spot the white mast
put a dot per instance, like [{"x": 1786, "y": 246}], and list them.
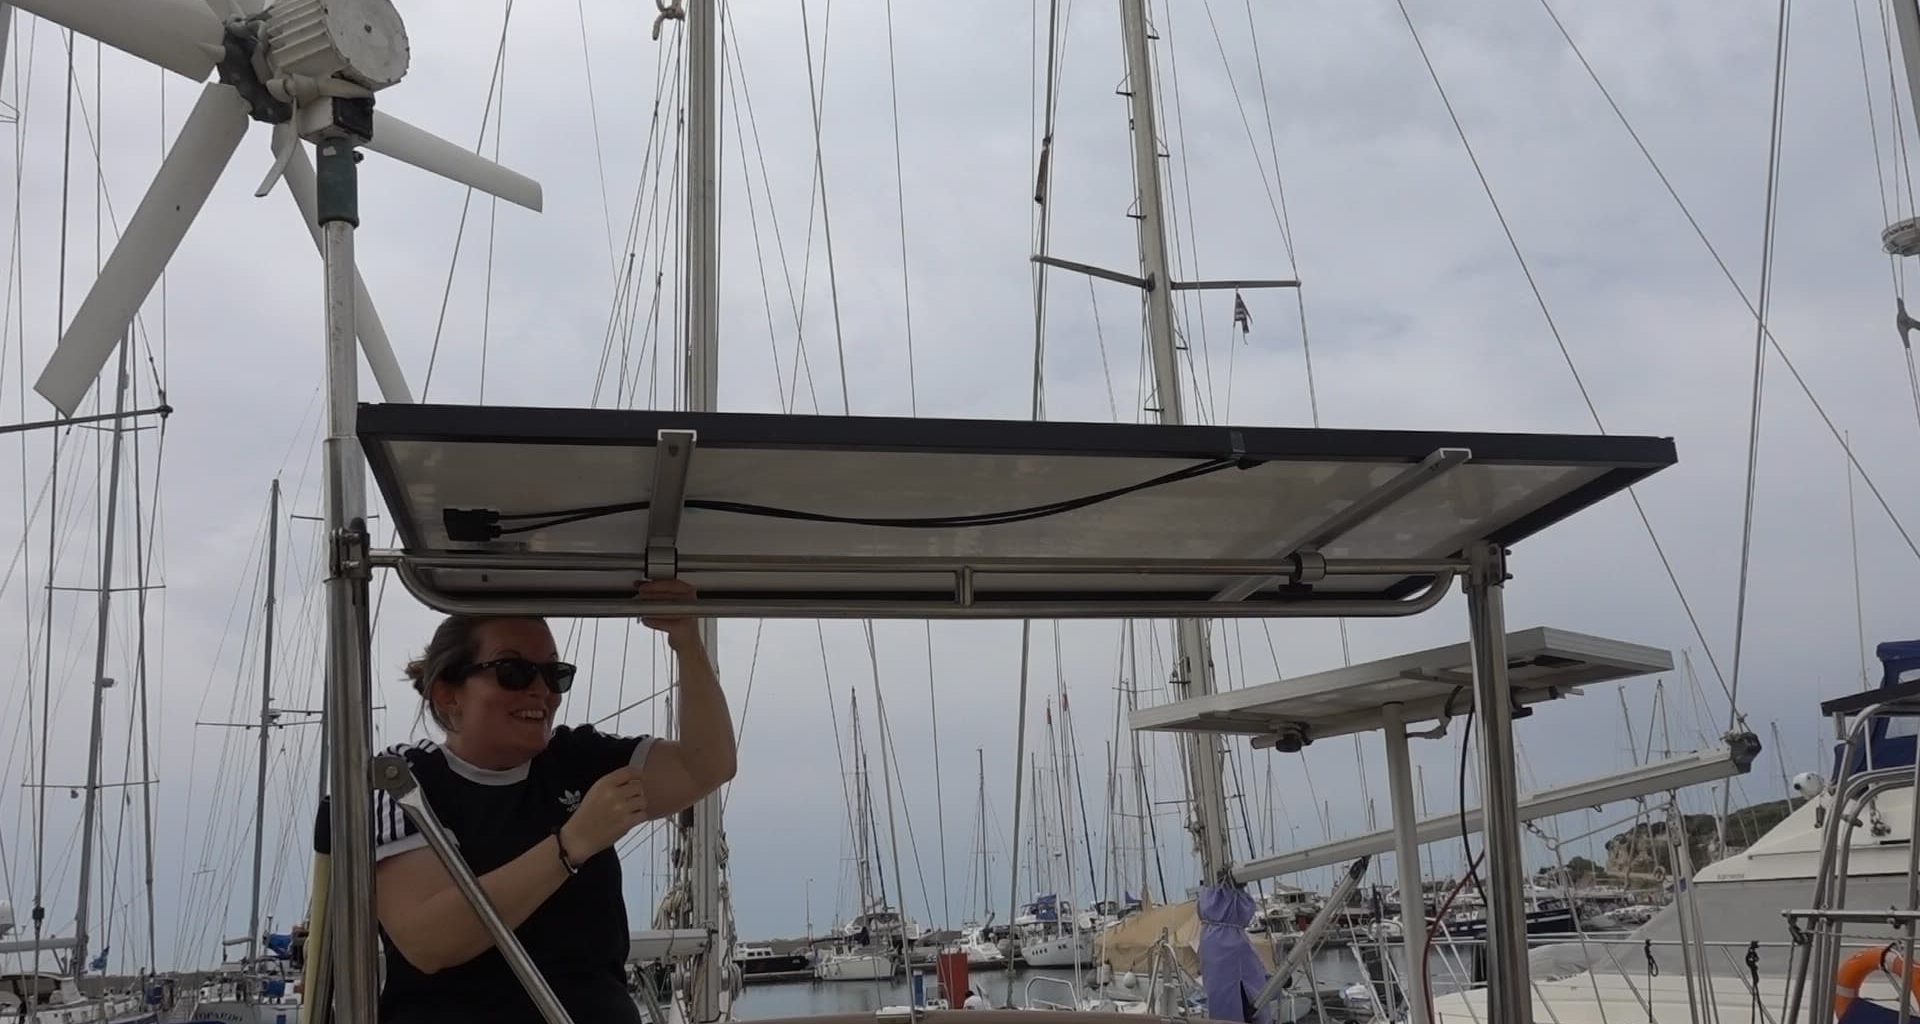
[
  {"x": 863, "y": 857},
  {"x": 1140, "y": 770},
  {"x": 266, "y": 717},
  {"x": 893, "y": 831},
  {"x": 1193, "y": 662},
  {"x": 140, "y": 681},
  {"x": 986, "y": 894},
  {"x": 89, "y": 810},
  {"x": 704, "y": 837}
]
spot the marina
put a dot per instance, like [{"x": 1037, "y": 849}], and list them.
[{"x": 994, "y": 601}]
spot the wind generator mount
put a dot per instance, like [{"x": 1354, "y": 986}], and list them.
[{"x": 314, "y": 65}]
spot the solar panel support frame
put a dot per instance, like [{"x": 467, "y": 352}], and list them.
[
  {"x": 1336, "y": 526},
  {"x": 1711, "y": 764},
  {"x": 1509, "y": 995},
  {"x": 667, "y": 502},
  {"x": 960, "y": 602}
]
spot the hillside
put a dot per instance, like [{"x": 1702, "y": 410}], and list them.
[{"x": 1644, "y": 849}]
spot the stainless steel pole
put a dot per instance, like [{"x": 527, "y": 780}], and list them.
[
  {"x": 1406, "y": 855},
  {"x": 1509, "y": 996},
  {"x": 352, "y": 936}
]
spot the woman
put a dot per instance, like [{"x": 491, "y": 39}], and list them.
[{"x": 536, "y": 811}]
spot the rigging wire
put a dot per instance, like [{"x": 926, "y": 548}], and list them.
[
  {"x": 15, "y": 319},
  {"x": 593, "y": 117},
  {"x": 816, "y": 99},
  {"x": 1040, "y": 157},
  {"x": 900, "y": 196},
  {"x": 1773, "y": 341},
  {"x": 833, "y": 717},
  {"x": 1186, "y": 258},
  {"x": 1553, "y": 328},
  {"x": 46, "y": 699},
  {"x": 466, "y": 205},
  {"x": 1903, "y": 168},
  {"x": 913, "y": 400},
  {"x": 1042, "y": 217},
  {"x": 795, "y": 301},
  {"x": 1769, "y": 221},
  {"x": 759, "y": 250},
  {"x": 668, "y": 83},
  {"x": 1280, "y": 190},
  {"x": 890, "y": 771},
  {"x": 493, "y": 217},
  {"x": 1873, "y": 134}
]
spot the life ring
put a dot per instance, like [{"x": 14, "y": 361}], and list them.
[{"x": 1858, "y": 967}]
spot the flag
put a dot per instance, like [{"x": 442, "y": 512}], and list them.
[{"x": 1242, "y": 317}]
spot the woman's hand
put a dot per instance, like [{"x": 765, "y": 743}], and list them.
[
  {"x": 611, "y": 809},
  {"x": 679, "y": 628}
]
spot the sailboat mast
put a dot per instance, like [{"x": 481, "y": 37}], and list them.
[
  {"x": 886, "y": 778},
  {"x": 862, "y": 860},
  {"x": 1193, "y": 657},
  {"x": 140, "y": 682},
  {"x": 986, "y": 894},
  {"x": 1145, "y": 822},
  {"x": 1070, "y": 743},
  {"x": 707, "y": 980},
  {"x": 266, "y": 717},
  {"x": 1036, "y": 875},
  {"x": 90, "y": 809},
  {"x": 1062, "y": 796}
]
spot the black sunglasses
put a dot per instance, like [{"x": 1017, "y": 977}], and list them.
[{"x": 519, "y": 673}]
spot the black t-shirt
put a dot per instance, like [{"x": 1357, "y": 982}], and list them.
[{"x": 578, "y": 937}]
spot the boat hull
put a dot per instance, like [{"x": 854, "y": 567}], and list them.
[
  {"x": 1058, "y": 950},
  {"x": 855, "y": 967},
  {"x": 779, "y": 967}
]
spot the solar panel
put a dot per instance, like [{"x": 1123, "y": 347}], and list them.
[
  {"x": 562, "y": 511},
  {"x": 1542, "y": 664}
]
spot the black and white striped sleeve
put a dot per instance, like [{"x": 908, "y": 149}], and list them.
[{"x": 393, "y": 831}]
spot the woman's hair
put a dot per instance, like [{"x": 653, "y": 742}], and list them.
[{"x": 454, "y": 645}]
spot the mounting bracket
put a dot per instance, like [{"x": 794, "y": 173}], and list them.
[{"x": 672, "y": 458}]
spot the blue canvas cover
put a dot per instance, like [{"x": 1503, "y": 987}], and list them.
[{"x": 1890, "y": 742}]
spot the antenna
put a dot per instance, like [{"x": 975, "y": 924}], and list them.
[{"x": 302, "y": 66}]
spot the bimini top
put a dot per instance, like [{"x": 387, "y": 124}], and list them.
[{"x": 563, "y": 511}]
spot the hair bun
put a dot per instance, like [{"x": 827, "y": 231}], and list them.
[{"x": 417, "y": 674}]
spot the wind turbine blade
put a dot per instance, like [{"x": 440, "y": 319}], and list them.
[
  {"x": 201, "y": 151},
  {"x": 299, "y": 179},
  {"x": 427, "y": 151},
  {"x": 183, "y": 36}
]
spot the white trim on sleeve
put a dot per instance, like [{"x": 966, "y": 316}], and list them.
[
  {"x": 404, "y": 844},
  {"x": 641, "y": 750}
]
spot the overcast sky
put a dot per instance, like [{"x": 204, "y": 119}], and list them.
[{"x": 1416, "y": 313}]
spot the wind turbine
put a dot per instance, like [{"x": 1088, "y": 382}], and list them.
[{"x": 299, "y": 65}]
